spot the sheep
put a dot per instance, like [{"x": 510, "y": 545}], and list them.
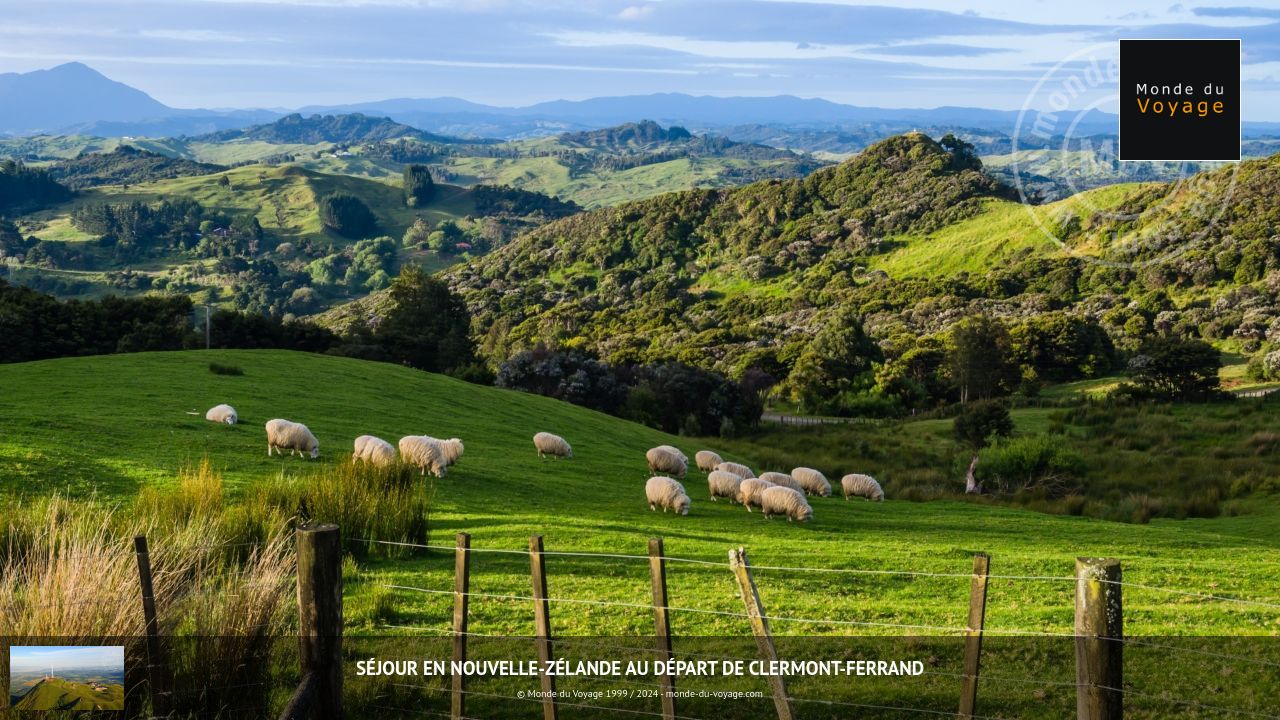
[
  {"x": 295, "y": 437},
  {"x": 667, "y": 459},
  {"x": 452, "y": 450},
  {"x": 813, "y": 482},
  {"x": 863, "y": 486},
  {"x": 666, "y": 493},
  {"x": 552, "y": 445},
  {"x": 785, "y": 501},
  {"x": 749, "y": 491},
  {"x": 723, "y": 484},
  {"x": 783, "y": 479},
  {"x": 676, "y": 451},
  {"x": 707, "y": 460},
  {"x": 738, "y": 469},
  {"x": 222, "y": 414},
  {"x": 424, "y": 453},
  {"x": 373, "y": 450}
]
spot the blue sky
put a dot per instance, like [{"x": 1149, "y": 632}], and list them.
[
  {"x": 909, "y": 53},
  {"x": 28, "y": 658}
]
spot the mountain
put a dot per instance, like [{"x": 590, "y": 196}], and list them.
[
  {"x": 127, "y": 165},
  {"x": 911, "y": 237},
  {"x": 348, "y": 128},
  {"x": 69, "y": 94}
]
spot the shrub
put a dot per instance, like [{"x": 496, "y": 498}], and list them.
[
  {"x": 1033, "y": 463},
  {"x": 220, "y": 369},
  {"x": 347, "y": 215}
]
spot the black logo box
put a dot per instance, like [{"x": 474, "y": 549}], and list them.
[{"x": 1180, "y": 65}]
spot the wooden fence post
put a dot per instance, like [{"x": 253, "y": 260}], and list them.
[
  {"x": 320, "y": 616},
  {"x": 542, "y": 628},
  {"x": 760, "y": 627},
  {"x": 1099, "y": 640},
  {"x": 662, "y": 625},
  {"x": 461, "y": 588},
  {"x": 973, "y": 635},
  {"x": 155, "y": 663}
]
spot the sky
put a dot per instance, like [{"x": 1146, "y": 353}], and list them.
[
  {"x": 900, "y": 53},
  {"x": 28, "y": 658}
]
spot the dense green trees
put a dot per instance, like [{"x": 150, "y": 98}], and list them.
[
  {"x": 347, "y": 215},
  {"x": 832, "y": 364},
  {"x": 427, "y": 326},
  {"x": 418, "y": 186},
  {"x": 24, "y": 189},
  {"x": 975, "y": 426},
  {"x": 979, "y": 360},
  {"x": 1172, "y": 368}
]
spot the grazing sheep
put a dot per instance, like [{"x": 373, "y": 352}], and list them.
[
  {"x": 552, "y": 445},
  {"x": 222, "y": 414},
  {"x": 668, "y": 494},
  {"x": 783, "y": 479},
  {"x": 666, "y": 459},
  {"x": 749, "y": 492},
  {"x": 863, "y": 486},
  {"x": 707, "y": 460},
  {"x": 723, "y": 484},
  {"x": 424, "y": 453},
  {"x": 373, "y": 450},
  {"x": 452, "y": 450},
  {"x": 813, "y": 482},
  {"x": 295, "y": 437},
  {"x": 738, "y": 469},
  {"x": 677, "y": 451},
  {"x": 785, "y": 501}
]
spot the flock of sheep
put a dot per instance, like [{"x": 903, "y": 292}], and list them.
[{"x": 775, "y": 493}]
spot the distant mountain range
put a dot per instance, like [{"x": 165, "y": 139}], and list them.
[{"x": 76, "y": 99}]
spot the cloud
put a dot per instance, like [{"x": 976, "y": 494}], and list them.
[
  {"x": 635, "y": 12},
  {"x": 1238, "y": 11},
  {"x": 937, "y": 50}
]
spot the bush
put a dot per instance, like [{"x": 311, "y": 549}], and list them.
[
  {"x": 220, "y": 369},
  {"x": 1035, "y": 463},
  {"x": 347, "y": 215}
]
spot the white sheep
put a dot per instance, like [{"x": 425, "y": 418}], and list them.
[
  {"x": 813, "y": 482},
  {"x": 424, "y": 453},
  {"x": 749, "y": 491},
  {"x": 666, "y": 493},
  {"x": 783, "y": 479},
  {"x": 707, "y": 460},
  {"x": 553, "y": 445},
  {"x": 738, "y": 469},
  {"x": 452, "y": 450},
  {"x": 666, "y": 459},
  {"x": 373, "y": 450},
  {"x": 677, "y": 451},
  {"x": 723, "y": 484},
  {"x": 295, "y": 437},
  {"x": 222, "y": 414},
  {"x": 785, "y": 501},
  {"x": 863, "y": 486}
]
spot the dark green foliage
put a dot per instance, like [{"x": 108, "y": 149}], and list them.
[
  {"x": 427, "y": 325},
  {"x": 126, "y": 166},
  {"x": 230, "y": 329},
  {"x": 645, "y": 132},
  {"x": 347, "y": 215},
  {"x": 504, "y": 200},
  {"x": 831, "y": 365},
  {"x": 980, "y": 421},
  {"x": 1061, "y": 347},
  {"x": 135, "y": 228},
  {"x": 979, "y": 360},
  {"x": 1172, "y": 368},
  {"x": 569, "y": 376},
  {"x": 24, "y": 189},
  {"x": 679, "y": 398},
  {"x": 418, "y": 187}
]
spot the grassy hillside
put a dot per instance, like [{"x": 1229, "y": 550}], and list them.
[
  {"x": 59, "y": 694},
  {"x": 130, "y": 427}
]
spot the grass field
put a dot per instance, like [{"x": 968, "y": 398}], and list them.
[{"x": 105, "y": 429}]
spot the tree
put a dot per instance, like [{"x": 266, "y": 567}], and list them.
[
  {"x": 427, "y": 326},
  {"x": 418, "y": 186},
  {"x": 1174, "y": 368},
  {"x": 974, "y": 427},
  {"x": 980, "y": 358},
  {"x": 839, "y": 353},
  {"x": 347, "y": 215}
]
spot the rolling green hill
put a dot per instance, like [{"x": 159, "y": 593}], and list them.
[
  {"x": 141, "y": 419},
  {"x": 58, "y": 694}
]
